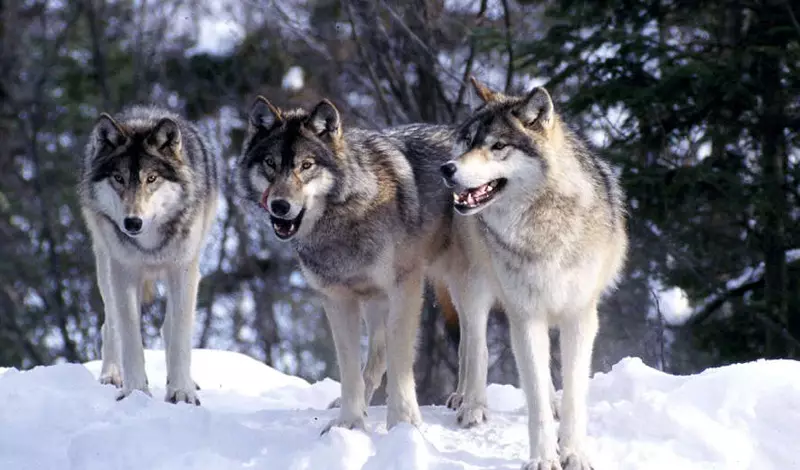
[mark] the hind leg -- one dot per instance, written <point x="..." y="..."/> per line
<point x="455" y="398"/>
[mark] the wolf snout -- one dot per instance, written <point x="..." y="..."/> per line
<point x="280" y="207"/>
<point x="448" y="170"/>
<point x="132" y="225"/>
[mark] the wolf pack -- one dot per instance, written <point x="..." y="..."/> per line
<point x="508" y="208"/>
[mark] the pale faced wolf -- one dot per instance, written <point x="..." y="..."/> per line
<point x="542" y="221"/>
<point x="148" y="192"/>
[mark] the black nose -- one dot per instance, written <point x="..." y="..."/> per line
<point x="280" y="207"/>
<point x="448" y="169"/>
<point x="132" y="224"/>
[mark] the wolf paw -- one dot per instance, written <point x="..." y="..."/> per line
<point x="542" y="464"/>
<point x="470" y="415"/>
<point x="405" y="413"/>
<point x="182" y="396"/>
<point x="347" y="423"/>
<point x="125" y="392"/>
<point x="196" y="387"/>
<point x="575" y="461"/>
<point x="112" y="378"/>
<point x="454" y="400"/>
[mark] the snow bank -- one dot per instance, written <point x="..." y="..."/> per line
<point x="745" y="416"/>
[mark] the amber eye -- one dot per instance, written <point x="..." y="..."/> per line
<point x="498" y="146"/>
<point x="151" y="179"/>
<point x="118" y="178"/>
<point x="271" y="163"/>
<point x="307" y="164"/>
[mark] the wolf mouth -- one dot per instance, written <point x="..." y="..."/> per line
<point x="286" y="228"/>
<point x="473" y="198"/>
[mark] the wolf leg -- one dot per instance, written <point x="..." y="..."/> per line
<point x="531" y="345"/>
<point x="345" y="323"/>
<point x="405" y="309"/>
<point x="111" y="370"/>
<point x="182" y="283"/>
<point x="124" y="283"/>
<point x="454" y="400"/>
<point x="578" y="333"/>
<point x="374" y="314"/>
<point x="473" y="302"/>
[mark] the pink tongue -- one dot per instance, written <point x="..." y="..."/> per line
<point x="263" y="201"/>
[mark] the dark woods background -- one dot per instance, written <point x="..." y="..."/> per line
<point x="696" y="103"/>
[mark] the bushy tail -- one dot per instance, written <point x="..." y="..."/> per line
<point x="148" y="292"/>
<point x="448" y="309"/>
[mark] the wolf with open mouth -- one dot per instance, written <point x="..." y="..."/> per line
<point x="367" y="217"/>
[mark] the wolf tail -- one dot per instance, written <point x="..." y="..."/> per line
<point x="449" y="312"/>
<point x="148" y="291"/>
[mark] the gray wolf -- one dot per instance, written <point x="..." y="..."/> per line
<point x="148" y="192"/>
<point x="366" y="215"/>
<point x="542" y="224"/>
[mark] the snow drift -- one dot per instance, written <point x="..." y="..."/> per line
<point x="744" y="416"/>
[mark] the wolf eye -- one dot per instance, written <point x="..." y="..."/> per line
<point x="118" y="178"/>
<point x="151" y="179"/>
<point x="270" y="163"/>
<point x="498" y="146"/>
<point x="307" y="164"/>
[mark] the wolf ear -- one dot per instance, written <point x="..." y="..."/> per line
<point x="263" y="114"/>
<point x="325" y="121"/>
<point x="537" y="107"/>
<point x="108" y="132"/>
<point x="166" y="136"/>
<point x="484" y="93"/>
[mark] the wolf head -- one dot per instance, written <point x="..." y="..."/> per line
<point x="136" y="172"/>
<point x="290" y="164"/>
<point x="505" y="145"/>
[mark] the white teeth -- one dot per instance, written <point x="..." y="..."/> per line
<point x="471" y="200"/>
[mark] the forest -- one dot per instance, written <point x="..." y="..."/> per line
<point x="696" y="104"/>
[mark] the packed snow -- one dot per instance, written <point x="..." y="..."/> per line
<point x="744" y="416"/>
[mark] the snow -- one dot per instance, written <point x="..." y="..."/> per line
<point x="742" y="416"/>
<point x="294" y="79"/>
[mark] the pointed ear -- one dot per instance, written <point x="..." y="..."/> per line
<point x="263" y="114"/>
<point x="165" y="137"/>
<point x="537" y="107"/>
<point x="484" y="93"/>
<point x="325" y="121"/>
<point x="108" y="132"/>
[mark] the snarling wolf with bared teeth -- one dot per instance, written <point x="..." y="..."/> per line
<point x="543" y="223"/>
<point x="148" y="193"/>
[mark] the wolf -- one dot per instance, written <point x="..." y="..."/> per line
<point x="148" y="192"/>
<point x="542" y="223"/>
<point x="365" y="214"/>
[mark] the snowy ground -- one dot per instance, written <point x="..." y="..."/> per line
<point x="739" y="417"/>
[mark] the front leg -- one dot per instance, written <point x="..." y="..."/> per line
<point x="345" y="323"/>
<point x="473" y="301"/>
<point x="405" y="309"/>
<point x="124" y="284"/>
<point x="374" y="314"/>
<point x="182" y="284"/>
<point x="111" y="369"/>
<point x="530" y="342"/>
